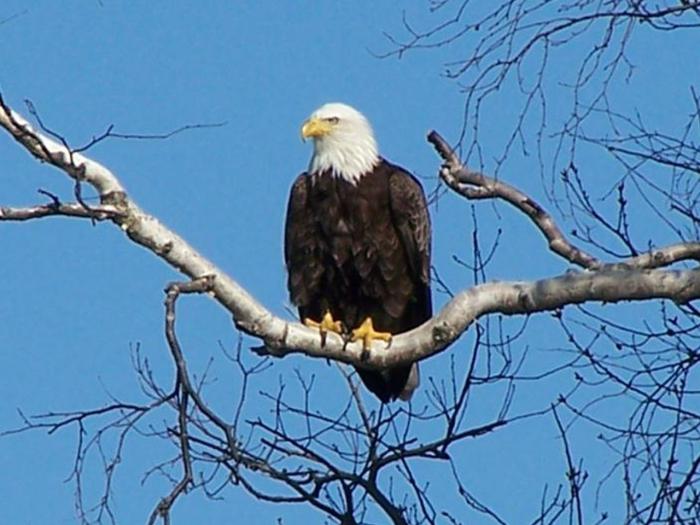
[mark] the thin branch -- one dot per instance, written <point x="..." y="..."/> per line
<point x="474" y="185"/>
<point x="573" y="475"/>
<point x="185" y="389"/>
<point x="100" y="213"/>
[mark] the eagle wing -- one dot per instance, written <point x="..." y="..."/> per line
<point x="300" y="245"/>
<point x="412" y="221"/>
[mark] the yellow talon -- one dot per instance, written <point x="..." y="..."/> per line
<point x="367" y="333"/>
<point x="327" y="324"/>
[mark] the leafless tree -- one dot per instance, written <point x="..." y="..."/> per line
<point x="633" y="385"/>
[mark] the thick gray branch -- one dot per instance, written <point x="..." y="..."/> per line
<point x="615" y="283"/>
<point x="516" y="298"/>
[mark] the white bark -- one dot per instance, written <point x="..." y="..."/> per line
<point x="638" y="280"/>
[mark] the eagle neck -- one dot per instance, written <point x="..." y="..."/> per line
<point x="348" y="158"/>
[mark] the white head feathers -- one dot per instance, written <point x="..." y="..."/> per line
<point x="343" y="142"/>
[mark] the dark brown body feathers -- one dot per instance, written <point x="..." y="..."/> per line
<point x="361" y="251"/>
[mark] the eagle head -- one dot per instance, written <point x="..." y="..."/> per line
<point x="344" y="142"/>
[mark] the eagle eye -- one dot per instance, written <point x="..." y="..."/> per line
<point x="332" y="120"/>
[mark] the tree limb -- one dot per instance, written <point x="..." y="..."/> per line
<point x="608" y="284"/>
<point x="475" y="185"/>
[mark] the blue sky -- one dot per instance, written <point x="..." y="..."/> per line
<point x="76" y="299"/>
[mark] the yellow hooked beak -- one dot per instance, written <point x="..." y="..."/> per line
<point x="315" y="127"/>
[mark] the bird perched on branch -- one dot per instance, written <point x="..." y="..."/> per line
<point x="357" y="243"/>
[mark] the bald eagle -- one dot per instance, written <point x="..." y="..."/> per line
<point x="357" y="243"/>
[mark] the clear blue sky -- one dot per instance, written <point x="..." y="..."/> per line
<point x="75" y="299"/>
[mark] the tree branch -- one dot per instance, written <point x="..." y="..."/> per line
<point x="99" y="213"/>
<point x="475" y="185"/>
<point x="608" y="284"/>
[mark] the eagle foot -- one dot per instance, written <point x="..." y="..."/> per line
<point x="327" y="324"/>
<point x="367" y="334"/>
